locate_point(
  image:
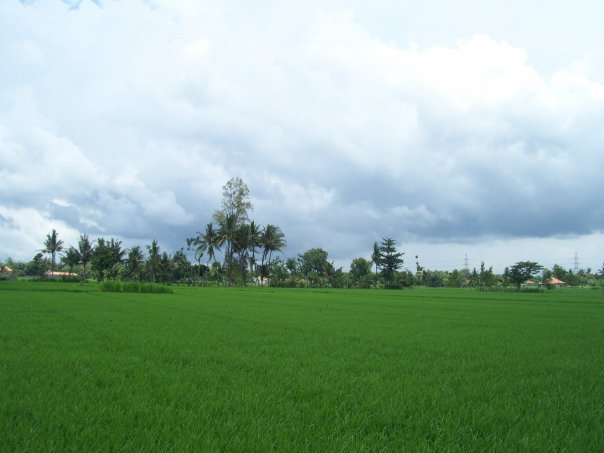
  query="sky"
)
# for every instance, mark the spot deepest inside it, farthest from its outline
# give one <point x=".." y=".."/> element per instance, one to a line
<point x="461" y="129"/>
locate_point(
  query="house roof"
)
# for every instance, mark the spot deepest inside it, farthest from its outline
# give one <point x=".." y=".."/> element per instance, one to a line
<point x="555" y="281"/>
<point x="60" y="274"/>
<point x="6" y="269"/>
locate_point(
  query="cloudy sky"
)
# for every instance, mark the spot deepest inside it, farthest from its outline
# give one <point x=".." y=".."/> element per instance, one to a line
<point x="463" y="127"/>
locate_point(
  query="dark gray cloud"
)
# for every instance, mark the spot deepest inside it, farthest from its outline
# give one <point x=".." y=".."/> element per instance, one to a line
<point x="129" y="122"/>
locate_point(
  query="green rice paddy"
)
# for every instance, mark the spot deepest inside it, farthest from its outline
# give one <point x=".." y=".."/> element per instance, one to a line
<point x="219" y="369"/>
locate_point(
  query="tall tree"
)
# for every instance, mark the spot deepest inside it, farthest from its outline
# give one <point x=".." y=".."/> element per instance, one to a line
<point x="181" y="267"/>
<point x="101" y="259"/>
<point x="134" y="262"/>
<point x="116" y="251"/>
<point x="204" y="243"/>
<point x="85" y="253"/>
<point x="165" y="268"/>
<point x="235" y="202"/>
<point x="226" y="234"/>
<point x="52" y="246"/>
<point x="153" y="260"/>
<point x="71" y="258"/>
<point x="273" y="240"/>
<point x="241" y="246"/>
<point x="210" y="241"/>
<point x="255" y="241"/>
<point x="375" y="256"/>
<point x="195" y="244"/>
<point x="390" y="259"/>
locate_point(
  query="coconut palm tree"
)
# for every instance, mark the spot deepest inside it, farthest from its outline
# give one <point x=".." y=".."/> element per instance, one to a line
<point x="375" y="256"/>
<point x="134" y="262"/>
<point x="52" y="246"/>
<point x="226" y="234"/>
<point x="273" y="240"/>
<point x="255" y="239"/>
<point x="154" y="259"/>
<point x="241" y="246"/>
<point x="85" y="253"/>
<point x="206" y="242"/>
<point x="71" y="258"/>
<point x="210" y="239"/>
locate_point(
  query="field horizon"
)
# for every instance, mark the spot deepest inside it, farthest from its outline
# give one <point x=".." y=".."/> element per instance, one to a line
<point x="263" y="369"/>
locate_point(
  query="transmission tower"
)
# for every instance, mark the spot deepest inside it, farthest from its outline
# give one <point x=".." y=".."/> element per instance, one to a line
<point x="576" y="263"/>
<point x="465" y="262"/>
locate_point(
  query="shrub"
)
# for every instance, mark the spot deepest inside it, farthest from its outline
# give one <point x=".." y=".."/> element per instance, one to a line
<point x="134" y="287"/>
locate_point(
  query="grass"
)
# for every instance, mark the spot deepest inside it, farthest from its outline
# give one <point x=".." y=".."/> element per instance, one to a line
<point x="218" y="369"/>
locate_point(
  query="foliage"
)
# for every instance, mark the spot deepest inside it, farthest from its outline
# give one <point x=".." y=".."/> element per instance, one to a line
<point x="235" y="202"/>
<point x="52" y="246"/>
<point x="134" y="287"/>
<point x="135" y="263"/>
<point x="522" y="271"/>
<point x="105" y="258"/>
<point x="153" y="260"/>
<point x="390" y="260"/>
<point x="85" y="253"/>
<point x="71" y="258"/>
<point x="272" y="240"/>
<point x="181" y="267"/>
<point x="313" y="263"/>
<point x="37" y="266"/>
<point x="375" y="256"/>
<point x="360" y="270"/>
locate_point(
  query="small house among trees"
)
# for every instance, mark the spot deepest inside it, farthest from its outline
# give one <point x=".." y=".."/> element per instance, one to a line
<point x="555" y="282"/>
<point x="5" y="270"/>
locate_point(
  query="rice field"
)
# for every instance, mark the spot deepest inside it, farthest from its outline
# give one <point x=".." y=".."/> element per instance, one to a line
<point x="259" y="369"/>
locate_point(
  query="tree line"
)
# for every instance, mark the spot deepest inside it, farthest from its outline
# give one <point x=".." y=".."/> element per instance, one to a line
<point x="250" y="254"/>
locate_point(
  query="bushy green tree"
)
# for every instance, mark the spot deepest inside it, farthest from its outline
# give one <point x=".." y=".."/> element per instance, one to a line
<point x="486" y="277"/>
<point x="38" y="265"/>
<point x="390" y="260"/>
<point x="312" y="265"/>
<point x="107" y="259"/>
<point x="523" y="271"/>
<point x="181" y="267"/>
<point x="360" y="270"/>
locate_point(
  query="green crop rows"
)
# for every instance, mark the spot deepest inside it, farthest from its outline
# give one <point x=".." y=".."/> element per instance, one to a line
<point x="299" y="370"/>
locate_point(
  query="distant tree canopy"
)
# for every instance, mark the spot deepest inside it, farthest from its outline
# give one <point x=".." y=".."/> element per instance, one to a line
<point x="237" y="250"/>
<point x="523" y="271"/>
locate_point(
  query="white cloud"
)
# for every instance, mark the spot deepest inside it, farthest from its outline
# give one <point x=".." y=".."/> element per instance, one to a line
<point x="130" y="120"/>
